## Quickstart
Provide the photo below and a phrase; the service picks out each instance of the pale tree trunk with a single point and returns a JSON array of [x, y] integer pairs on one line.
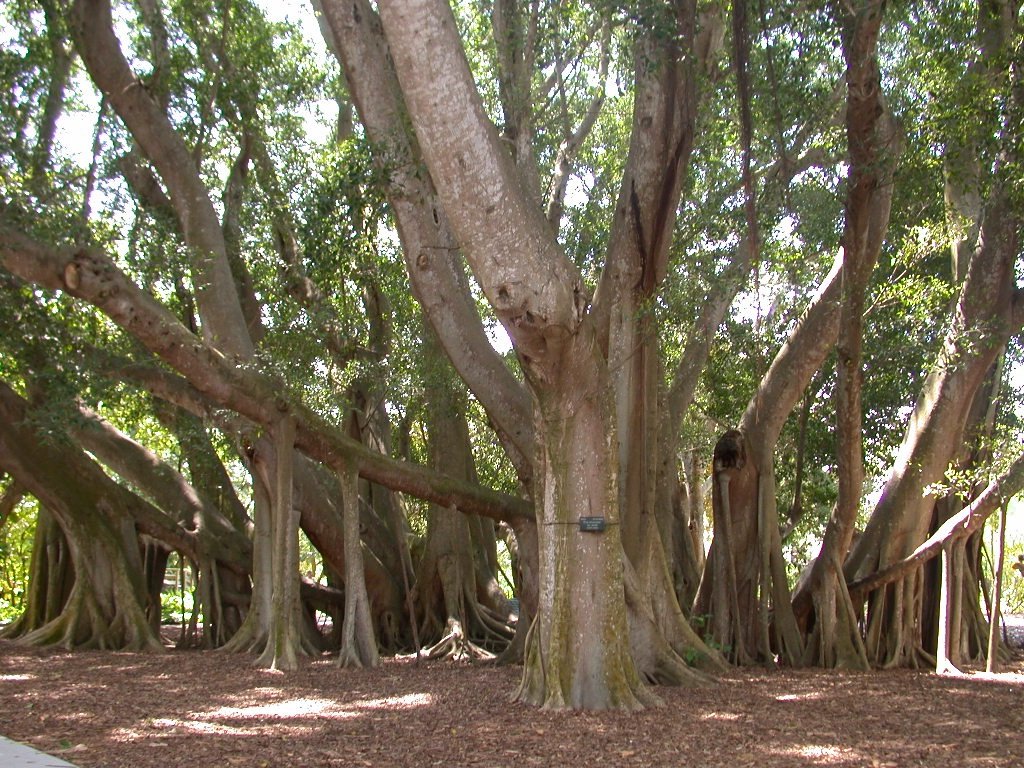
[[953, 534], [358, 642], [965, 210], [579, 655], [687, 556], [965, 638], [254, 633], [744, 591], [285, 631], [901, 518], [659, 154], [648, 463], [950, 587], [752, 501]]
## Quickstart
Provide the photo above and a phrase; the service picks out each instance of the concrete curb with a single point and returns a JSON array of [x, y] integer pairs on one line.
[[15, 755]]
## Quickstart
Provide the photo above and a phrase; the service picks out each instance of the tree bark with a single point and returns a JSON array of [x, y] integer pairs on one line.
[[105, 604], [358, 642], [872, 142]]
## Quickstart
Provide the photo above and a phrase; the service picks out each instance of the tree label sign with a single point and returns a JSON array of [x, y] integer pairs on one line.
[[592, 524]]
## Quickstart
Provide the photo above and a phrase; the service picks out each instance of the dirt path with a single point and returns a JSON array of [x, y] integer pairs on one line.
[[210, 709]]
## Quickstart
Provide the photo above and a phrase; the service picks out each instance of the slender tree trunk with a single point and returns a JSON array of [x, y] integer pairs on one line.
[[946, 656], [871, 140], [285, 632], [997, 594], [254, 634], [358, 642]]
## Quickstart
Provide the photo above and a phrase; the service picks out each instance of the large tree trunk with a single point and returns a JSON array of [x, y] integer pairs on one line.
[[105, 605], [464, 615], [873, 145], [579, 654]]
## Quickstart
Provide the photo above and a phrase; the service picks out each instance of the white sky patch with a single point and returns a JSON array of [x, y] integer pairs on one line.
[[499, 339], [786, 233], [300, 13]]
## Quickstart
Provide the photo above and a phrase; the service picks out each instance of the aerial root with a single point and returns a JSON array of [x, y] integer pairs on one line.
[[457, 647]]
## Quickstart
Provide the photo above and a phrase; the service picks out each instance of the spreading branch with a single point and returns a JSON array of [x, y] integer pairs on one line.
[[962, 524], [90, 275]]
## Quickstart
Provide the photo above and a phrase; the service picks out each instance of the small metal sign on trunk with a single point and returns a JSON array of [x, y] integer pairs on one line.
[[592, 524]]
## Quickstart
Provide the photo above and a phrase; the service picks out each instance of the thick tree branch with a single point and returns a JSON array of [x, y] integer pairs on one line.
[[429, 247], [223, 323], [535, 290], [88, 274], [165, 486], [961, 525], [32, 461], [12, 496], [661, 142]]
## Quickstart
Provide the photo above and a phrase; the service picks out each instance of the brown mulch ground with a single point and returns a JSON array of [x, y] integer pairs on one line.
[[211, 709]]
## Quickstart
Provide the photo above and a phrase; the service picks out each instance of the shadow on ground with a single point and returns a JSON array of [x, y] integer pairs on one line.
[[214, 709]]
